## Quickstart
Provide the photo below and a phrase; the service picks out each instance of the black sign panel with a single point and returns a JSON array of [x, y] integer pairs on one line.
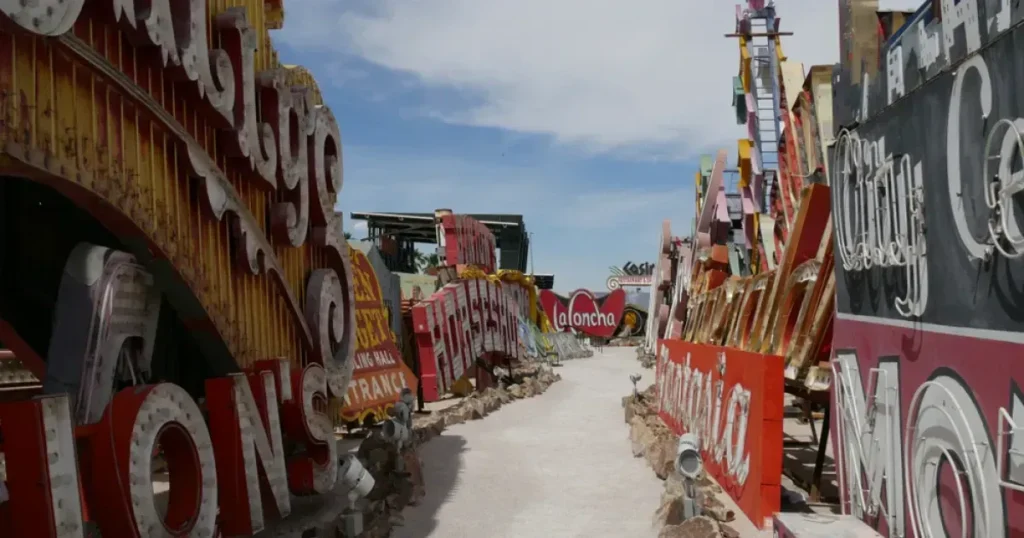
[[633, 269], [928, 225]]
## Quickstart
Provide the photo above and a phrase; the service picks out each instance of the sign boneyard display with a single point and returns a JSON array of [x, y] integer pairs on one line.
[[174, 127], [583, 312], [379, 371], [474, 318], [568, 346], [466, 241], [927, 370], [732, 400], [631, 274]]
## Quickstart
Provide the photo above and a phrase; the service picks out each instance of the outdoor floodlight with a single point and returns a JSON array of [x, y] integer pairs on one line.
[[689, 465], [355, 477], [360, 482], [688, 461]]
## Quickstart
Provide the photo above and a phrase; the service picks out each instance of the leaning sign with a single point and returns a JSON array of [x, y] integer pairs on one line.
[[379, 371], [732, 401]]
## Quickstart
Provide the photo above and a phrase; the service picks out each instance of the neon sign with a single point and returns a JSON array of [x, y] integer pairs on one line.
[[583, 312]]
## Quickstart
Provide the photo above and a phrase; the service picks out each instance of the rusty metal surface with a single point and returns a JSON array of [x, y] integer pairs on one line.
[[109, 126]]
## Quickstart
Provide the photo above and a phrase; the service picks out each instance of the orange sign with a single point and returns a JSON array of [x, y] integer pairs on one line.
[[379, 374], [732, 401]]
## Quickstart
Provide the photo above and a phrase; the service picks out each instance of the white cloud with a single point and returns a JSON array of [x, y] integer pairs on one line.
[[646, 78]]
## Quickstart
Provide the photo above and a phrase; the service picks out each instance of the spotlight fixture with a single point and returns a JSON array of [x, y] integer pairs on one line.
[[359, 482]]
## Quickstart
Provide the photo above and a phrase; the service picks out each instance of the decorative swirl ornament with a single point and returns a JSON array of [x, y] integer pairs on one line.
[[613, 283]]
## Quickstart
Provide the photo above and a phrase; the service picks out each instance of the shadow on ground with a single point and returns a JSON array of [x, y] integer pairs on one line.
[[799, 452], [441, 458]]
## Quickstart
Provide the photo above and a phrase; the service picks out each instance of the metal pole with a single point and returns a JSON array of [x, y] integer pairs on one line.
[[532, 255]]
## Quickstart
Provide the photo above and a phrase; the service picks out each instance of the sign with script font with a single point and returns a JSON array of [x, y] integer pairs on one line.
[[732, 400], [583, 312]]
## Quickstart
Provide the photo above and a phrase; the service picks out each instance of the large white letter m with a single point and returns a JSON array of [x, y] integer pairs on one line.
[[869, 437]]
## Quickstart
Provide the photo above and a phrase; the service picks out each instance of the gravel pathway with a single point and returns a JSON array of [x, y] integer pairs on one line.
[[556, 465]]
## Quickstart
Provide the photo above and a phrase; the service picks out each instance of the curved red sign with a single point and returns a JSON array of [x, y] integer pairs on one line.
[[584, 312]]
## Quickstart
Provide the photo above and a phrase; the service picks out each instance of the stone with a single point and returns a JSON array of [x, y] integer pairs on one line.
[[515, 391], [477, 410], [640, 436], [698, 527], [674, 485], [457, 414], [490, 400], [671, 512], [714, 509], [729, 532], [462, 386], [661, 453]]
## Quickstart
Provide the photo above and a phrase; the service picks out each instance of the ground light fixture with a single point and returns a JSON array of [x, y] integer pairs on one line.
[[398, 430], [689, 465], [635, 378], [688, 460], [359, 482]]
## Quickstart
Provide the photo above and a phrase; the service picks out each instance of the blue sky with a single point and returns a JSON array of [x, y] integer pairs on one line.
[[585, 116]]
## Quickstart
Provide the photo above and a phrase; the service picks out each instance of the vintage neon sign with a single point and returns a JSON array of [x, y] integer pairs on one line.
[[732, 400], [233, 475], [379, 373], [918, 451], [230, 475], [631, 274], [584, 312], [467, 241], [463, 322], [289, 143], [879, 203]]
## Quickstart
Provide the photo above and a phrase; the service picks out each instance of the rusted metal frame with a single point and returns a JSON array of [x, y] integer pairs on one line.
[[813, 486]]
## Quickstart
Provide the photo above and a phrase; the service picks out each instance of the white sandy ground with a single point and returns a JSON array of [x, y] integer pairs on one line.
[[553, 466]]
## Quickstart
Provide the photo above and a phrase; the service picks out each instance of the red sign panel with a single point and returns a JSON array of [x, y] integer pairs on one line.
[[732, 401], [464, 321], [583, 312], [468, 242], [230, 476]]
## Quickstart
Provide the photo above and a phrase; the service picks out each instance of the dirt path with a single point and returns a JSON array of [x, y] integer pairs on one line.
[[558, 465]]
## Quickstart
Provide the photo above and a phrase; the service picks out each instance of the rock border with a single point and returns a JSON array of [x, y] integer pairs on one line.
[[394, 490], [396, 487], [647, 359], [655, 442]]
